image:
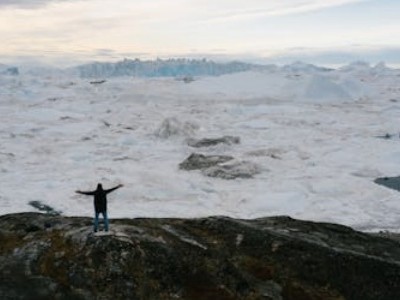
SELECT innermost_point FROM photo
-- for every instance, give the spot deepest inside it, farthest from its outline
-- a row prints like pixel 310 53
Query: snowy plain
pixel 313 134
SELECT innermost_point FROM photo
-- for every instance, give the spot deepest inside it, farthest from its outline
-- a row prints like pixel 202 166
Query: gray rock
pixel 205 258
pixel 43 207
pixel 389 182
pixel 388 136
pixel 240 169
pixel 198 161
pixel 207 142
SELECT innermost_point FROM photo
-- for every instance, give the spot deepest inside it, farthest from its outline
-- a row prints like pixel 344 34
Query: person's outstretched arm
pixel 85 193
pixel 113 189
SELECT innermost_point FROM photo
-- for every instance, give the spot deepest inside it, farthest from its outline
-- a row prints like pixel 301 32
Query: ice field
pixel 315 137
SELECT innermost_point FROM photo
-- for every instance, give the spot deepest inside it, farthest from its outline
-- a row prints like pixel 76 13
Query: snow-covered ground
pixel 313 135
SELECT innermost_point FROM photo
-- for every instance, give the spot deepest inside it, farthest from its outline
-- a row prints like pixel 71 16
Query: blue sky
pixel 319 31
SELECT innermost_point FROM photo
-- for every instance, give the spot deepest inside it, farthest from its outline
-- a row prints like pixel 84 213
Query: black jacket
pixel 100 198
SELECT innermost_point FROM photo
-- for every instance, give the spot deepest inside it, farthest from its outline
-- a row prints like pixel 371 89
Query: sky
pixel 277 31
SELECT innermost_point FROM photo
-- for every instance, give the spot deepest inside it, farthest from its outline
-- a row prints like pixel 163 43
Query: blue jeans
pixel 96 220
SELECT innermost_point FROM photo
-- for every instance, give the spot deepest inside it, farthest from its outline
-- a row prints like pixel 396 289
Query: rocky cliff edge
pixel 56 257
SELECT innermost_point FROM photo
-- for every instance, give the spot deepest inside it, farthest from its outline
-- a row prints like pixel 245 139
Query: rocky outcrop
pixel 221 166
pixel 233 170
pixel 197 161
pixel 389 182
pixel 43 207
pixel 208 142
pixel 389 136
pixel 55 257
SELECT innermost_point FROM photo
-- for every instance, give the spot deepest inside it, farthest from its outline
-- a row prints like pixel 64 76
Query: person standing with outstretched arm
pixel 100 204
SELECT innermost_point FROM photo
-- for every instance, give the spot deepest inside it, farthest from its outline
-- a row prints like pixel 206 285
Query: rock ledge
pixel 55 257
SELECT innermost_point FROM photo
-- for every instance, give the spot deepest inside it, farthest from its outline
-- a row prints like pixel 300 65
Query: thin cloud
pixel 85 28
pixel 28 4
pixel 274 8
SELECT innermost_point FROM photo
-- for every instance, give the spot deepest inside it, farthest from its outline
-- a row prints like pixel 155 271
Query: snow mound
pixel 316 87
pixel 241 85
pixel 174 127
pixel 366 71
pixel 301 67
pixel 355 88
pixel 322 89
pixel 356 66
pixel 319 88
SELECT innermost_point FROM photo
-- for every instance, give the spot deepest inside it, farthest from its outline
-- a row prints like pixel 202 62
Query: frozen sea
pixel 314 136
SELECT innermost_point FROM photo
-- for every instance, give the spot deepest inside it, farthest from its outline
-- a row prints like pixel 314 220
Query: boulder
pixel 43 207
pixel 198 161
pixel 389 182
pixel 237 169
pixel 207 142
pixel 279 258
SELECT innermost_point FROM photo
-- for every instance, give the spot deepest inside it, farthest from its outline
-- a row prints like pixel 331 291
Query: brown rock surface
pixel 56 257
